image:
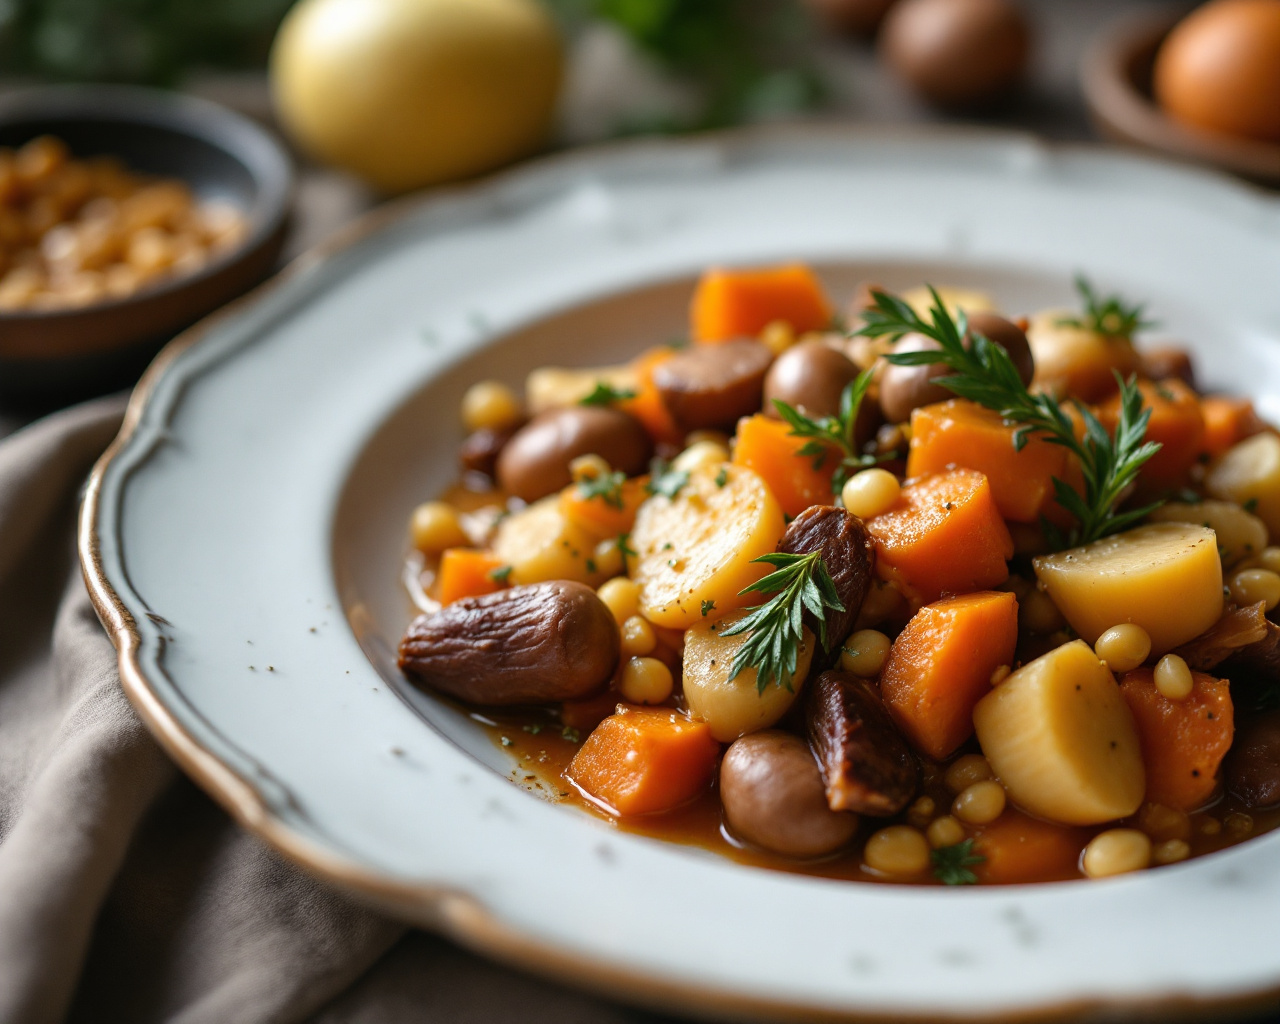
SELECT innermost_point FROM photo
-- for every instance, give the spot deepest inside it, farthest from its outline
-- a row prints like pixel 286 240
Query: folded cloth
pixel 125 894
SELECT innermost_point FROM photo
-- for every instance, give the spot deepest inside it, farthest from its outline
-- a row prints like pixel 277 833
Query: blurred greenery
pixel 742 56
pixel 147 41
pixel 746 57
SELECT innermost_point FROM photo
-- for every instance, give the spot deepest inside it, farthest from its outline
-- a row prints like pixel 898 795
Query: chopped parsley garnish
pixel 606 394
pixel 571 734
pixel 802 583
pixel 708 606
pixel 664 480
pixel 985 374
pixel 502 574
pixel 951 864
pixel 607 487
pixel 722 477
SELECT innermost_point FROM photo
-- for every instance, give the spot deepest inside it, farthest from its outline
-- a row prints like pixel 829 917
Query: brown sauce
pixel 541 755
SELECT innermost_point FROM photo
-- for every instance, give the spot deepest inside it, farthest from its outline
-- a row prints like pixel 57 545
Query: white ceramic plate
pixel 243 541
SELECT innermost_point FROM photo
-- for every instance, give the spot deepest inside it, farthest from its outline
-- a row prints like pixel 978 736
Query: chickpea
pixel 638 637
pixel 608 558
pixel 898 850
pixel 964 771
pixel 715 436
pixel 1123 647
pixel 921 812
pixel 622 597
pixel 870 492
pixel 864 653
pixel 1269 558
pixel 699 454
pixel 588 467
pixel 1115 852
pixel 490 405
pixel 778 336
pixel 1038 613
pixel 1173 678
pixel 980 803
pixel 1238 824
pixel 1209 827
pixel 435 526
pixel 999 674
pixel 944 831
pixel 1170 851
pixel 645 681
pixel 1163 823
pixel 1249 586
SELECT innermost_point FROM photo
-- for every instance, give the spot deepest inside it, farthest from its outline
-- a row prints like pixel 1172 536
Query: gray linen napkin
pixel 125 894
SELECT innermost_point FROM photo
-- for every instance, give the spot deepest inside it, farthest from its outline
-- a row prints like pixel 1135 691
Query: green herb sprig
pixel 664 480
pixel 605 486
pixel 830 432
pixel 802 583
pixel 605 394
pixel 1109 315
pixel 952 864
pixel 984 373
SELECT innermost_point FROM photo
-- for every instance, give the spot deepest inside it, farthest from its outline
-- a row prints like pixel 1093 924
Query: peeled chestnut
pixel 904 388
pixel 957 54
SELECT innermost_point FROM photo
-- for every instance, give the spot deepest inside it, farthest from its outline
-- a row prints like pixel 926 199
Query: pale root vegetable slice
pixel 1061 738
pixel 1240 534
pixel 1165 577
pixel 1076 361
pixel 697 548
pixel 1248 473
pixel 733 708
pixel 540 543
pixel 554 387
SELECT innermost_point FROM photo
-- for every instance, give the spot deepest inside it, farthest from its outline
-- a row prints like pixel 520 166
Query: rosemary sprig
pixel 951 864
pixel 605 486
pixel 606 394
pixel 802 583
pixel 832 431
pixel 984 373
pixel 1109 315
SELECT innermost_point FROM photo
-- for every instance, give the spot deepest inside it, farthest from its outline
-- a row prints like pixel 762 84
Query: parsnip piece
pixel 734 708
pixel 1166 577
pixel 954 299
pixel 1249 473
pixel 698 546
pixel 1240 534
pixel 1076 361
pixel 1061 738
pixel 541 544
pixel 554 387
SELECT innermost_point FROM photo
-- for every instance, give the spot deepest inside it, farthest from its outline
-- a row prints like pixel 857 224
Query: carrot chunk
pixel 945 536
pixel 1177 423
pixel 645 760
pixel 604 515
pixel 1184 741
pixel 1227 421
pixel 940 666
pixel 730 304
pixel 963 433
pixel 1019 848
pixel 647 405
pixel 466 572
pixel 766 446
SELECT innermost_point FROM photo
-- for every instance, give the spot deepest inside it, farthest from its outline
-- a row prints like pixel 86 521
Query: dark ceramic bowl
pixel 75 352
pixel 1115 76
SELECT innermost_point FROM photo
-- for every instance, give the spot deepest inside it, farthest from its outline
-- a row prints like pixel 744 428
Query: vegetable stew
pixel 915 593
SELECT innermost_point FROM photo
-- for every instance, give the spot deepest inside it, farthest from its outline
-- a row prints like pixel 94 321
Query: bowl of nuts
pixel 125 215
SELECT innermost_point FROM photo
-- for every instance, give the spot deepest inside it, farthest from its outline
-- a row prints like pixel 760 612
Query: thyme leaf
pixel 606 394
pixel 1109 315
pixel 800 583
pixel 606 486
pixel 832 432
pixel 951 864
pixel 984 373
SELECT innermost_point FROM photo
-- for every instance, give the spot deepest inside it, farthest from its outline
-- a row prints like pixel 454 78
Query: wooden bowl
pixel 67 353
pixel 1115 75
